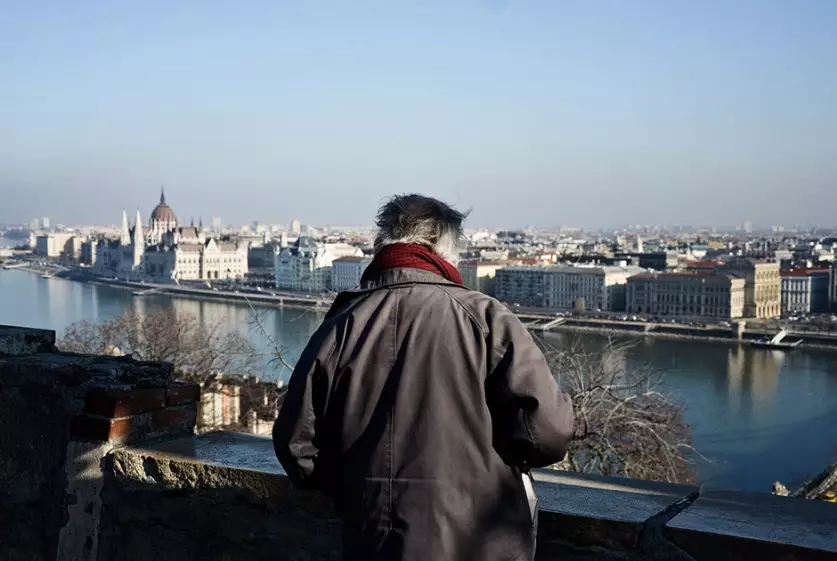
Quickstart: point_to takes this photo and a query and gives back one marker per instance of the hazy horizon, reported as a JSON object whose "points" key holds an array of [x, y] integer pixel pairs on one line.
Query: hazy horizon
{"points": [[539, 113]]}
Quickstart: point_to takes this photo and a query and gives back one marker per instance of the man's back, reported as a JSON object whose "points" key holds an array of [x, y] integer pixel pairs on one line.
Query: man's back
{"points": [[418, 404]]}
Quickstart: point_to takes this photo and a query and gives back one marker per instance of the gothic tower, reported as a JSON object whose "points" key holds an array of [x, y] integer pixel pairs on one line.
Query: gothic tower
{"points": [[139, 241], [125, 238]]}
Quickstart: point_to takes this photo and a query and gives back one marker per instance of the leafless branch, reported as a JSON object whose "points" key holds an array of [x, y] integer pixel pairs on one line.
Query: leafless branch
{"points": [[625, 426]]}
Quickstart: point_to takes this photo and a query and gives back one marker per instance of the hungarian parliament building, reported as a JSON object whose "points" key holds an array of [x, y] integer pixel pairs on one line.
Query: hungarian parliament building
{"points": [[164, 251]]}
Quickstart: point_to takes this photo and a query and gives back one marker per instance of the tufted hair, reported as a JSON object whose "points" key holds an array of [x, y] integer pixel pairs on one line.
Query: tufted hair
{"points": [[423, 220]]}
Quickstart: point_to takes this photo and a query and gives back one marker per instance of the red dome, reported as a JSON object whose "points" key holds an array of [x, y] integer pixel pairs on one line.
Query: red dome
{"points": [[163, 212]]}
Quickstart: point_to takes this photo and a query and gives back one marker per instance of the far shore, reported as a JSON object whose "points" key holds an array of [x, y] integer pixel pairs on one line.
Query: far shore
{"points": [[320, 303]]}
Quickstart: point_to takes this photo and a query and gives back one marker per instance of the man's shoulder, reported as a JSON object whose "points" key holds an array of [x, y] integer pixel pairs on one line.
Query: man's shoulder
{"points": [[487, 310], [477, 301]]}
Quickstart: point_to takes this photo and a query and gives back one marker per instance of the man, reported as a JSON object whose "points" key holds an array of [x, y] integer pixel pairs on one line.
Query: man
{"points": [[419, 405]]}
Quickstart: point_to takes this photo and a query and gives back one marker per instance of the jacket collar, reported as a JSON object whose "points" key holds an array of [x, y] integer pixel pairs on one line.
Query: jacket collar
{"points": [[392, 277], [386, 279]]}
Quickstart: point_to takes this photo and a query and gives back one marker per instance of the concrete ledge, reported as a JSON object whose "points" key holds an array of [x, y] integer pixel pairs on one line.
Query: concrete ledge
{"points": [[591, 511], [732, 525], [158, 507], [580, 516], [23, 340]]}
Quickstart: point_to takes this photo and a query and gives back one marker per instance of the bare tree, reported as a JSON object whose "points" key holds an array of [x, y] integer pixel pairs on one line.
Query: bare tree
{"points": [[625, 426], [198, 352]]}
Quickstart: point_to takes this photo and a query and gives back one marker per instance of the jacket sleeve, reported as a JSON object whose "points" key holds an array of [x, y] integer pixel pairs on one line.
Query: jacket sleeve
{"points": [[297, 433], [532, 419]]}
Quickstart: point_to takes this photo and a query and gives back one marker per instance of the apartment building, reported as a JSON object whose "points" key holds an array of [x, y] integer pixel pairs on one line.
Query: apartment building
{"points": [[63, 244], [686, 295], [805, 291], [480, 275], [346, 272], [598, 288], [763, 286], [307, 265], [565, 287], [522, 285]]}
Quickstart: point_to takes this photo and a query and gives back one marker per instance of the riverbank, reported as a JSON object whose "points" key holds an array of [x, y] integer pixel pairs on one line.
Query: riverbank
{"points": [[716, 334], [243, 296], [685, 332]]}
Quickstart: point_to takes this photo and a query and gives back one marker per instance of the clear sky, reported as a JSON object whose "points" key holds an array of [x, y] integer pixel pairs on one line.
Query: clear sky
{"points": [[545, 112]]}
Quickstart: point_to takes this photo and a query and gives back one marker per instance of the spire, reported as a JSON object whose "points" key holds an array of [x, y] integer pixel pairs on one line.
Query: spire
{"points": [[125, 237], [162, 196], [139, 241], [138, 237], [192, 224], [200, 222]]}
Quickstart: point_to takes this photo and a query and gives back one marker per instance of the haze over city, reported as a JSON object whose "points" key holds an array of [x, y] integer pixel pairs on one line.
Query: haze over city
{"points": [[544, 113]]}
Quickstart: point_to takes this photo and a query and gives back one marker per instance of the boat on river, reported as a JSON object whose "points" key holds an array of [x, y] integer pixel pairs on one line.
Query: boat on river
{"points": [[776, 342], [146, 291]]}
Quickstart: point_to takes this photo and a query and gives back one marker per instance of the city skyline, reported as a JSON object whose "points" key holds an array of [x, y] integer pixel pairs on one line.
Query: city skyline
{"points": [[543, 113]]}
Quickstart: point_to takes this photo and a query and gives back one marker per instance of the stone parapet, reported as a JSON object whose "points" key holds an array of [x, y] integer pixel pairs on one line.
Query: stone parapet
{"points": [[61, 415], [22, 340], [176, 500]]}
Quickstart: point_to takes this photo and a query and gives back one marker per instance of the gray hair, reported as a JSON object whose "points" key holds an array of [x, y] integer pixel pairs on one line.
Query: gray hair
{"points": [[421, 220]]}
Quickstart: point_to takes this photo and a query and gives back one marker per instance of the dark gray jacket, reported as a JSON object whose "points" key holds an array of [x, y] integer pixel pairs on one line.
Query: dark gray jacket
{"points": [[416, 406]]}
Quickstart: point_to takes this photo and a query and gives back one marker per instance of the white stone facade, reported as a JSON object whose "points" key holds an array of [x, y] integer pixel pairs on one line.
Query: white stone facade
{"points": [[306, 267], [58, 245], [564, 287], [480, 275], [686, 295], [164, 252], [805, 291], [346, 272]]}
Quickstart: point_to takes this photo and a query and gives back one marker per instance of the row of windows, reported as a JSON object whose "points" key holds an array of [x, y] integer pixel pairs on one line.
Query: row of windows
{"points": [[720, 311], [669, 288]]}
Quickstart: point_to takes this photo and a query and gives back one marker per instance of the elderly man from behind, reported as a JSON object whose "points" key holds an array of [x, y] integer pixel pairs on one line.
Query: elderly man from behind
{"points": [[419, 405]]}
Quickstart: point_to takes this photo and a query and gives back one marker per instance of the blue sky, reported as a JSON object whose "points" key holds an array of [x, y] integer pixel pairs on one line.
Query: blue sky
{"points": [[531, 112]]}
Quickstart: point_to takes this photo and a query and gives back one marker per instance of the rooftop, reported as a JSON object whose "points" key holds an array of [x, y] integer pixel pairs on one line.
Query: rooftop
{"points": [[681, 275], [805, 272]]}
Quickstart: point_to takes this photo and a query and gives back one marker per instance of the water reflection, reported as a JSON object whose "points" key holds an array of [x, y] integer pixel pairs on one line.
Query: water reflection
{"points": [[752, 376], [759, 415], [28, 300]]}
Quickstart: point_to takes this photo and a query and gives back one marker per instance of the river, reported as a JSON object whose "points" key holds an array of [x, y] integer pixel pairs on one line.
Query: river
{"points": [[759, 415]]}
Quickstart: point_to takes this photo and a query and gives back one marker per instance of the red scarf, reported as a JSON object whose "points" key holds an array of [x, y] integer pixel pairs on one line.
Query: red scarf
{"points": [[410, 256]]}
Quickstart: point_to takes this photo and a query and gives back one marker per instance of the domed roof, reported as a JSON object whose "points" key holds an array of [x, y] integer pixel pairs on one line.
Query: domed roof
{"points": [[163, 212]]}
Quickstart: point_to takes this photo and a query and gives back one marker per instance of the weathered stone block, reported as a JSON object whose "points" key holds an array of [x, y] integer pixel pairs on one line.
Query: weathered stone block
{"points": [[33, 437], [173, 421], [24, 341], [157, 508], [93, 428], [124, 403], [49, 480]]}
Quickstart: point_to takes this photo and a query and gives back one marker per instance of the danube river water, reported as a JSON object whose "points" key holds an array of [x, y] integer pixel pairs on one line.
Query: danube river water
{"points": [[759, 415]]}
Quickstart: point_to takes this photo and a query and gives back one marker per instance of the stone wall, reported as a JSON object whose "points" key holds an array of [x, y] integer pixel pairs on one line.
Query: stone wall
{"points": [[158, 508], [222, 496], [61, 414]]}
